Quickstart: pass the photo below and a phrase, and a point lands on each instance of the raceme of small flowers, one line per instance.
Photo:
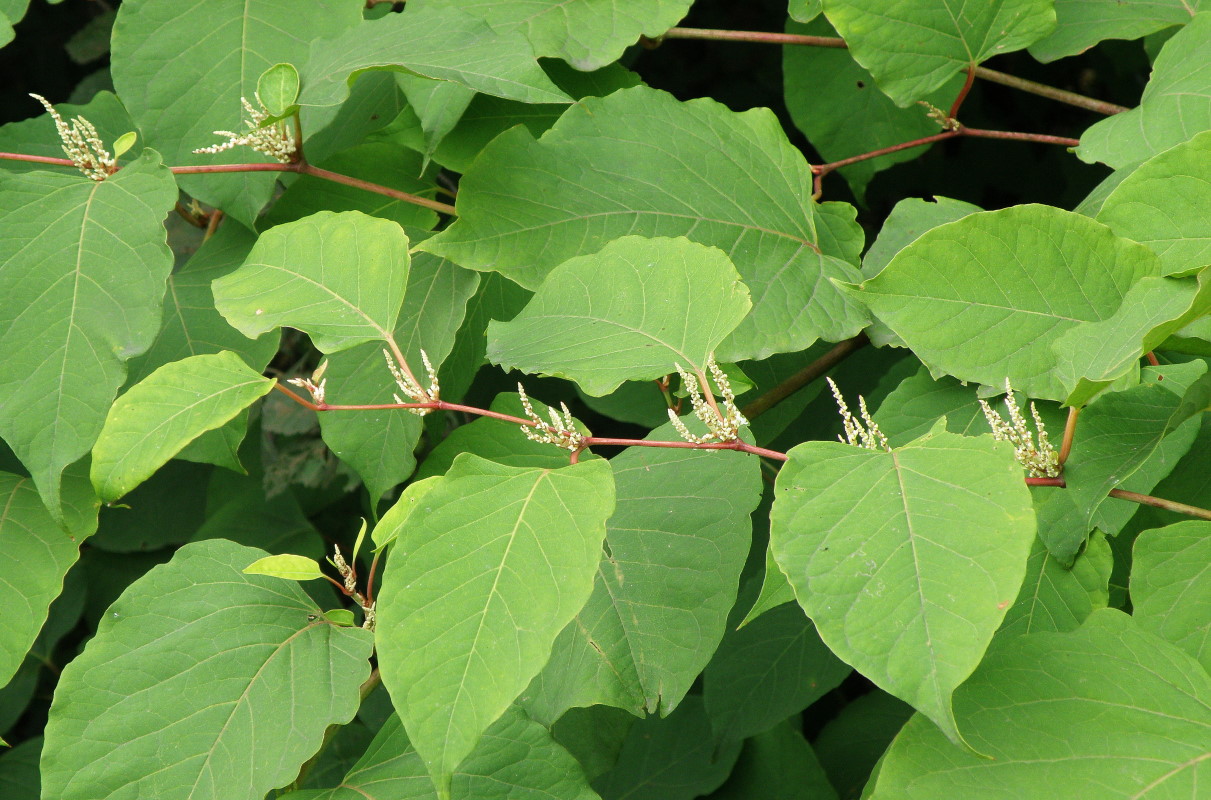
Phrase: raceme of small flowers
(561, 431)
(1039, 458)
(82, 144)
(860, 434)
(275, 140)
(410, 388)
(723, 422)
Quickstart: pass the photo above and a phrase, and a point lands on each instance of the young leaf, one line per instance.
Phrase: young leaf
(160, 415)
(124, 142)
(82, 269)
(509, 556)
(393, 521)
(438, 41)
(35, 554)
(1171, 585)
(339, 278)
(161, 646)
(181, 86)
(586, 35)
(905, 560)
(723, 179)
(968, 303)
(1051, 710)
(1176, 104)
(629, 312)
(290, 567)
(914, 48)
(665, 584)
(278, 88)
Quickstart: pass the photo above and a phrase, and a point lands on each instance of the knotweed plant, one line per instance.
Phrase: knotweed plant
(860, 434)
(82, 144)
(1035, 454)
(274, 140)
(561, 431)
(722, 421)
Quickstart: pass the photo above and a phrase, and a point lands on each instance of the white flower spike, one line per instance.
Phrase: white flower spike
(723, 422)
(561, 431)
(82, 144)
(860, 434)
(1041, 459)
(275, 141)
(410, 388)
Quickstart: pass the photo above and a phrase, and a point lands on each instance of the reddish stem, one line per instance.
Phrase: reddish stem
(760, 37)
(370, 579)
(1046, 482)
(954, 108)
(804, 376)
(1069, 434)
(743, 447)
(1151, 356)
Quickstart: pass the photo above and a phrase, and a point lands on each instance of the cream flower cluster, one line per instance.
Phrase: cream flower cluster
(1038, 457)
(82, 144)
(561, 431)
(275, 140)
(410, 388)
(860, 434)
(723, 422)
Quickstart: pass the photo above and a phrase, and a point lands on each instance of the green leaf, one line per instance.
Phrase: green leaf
(1093, 355)
(1059, 598)
(339, 278)
(675, 547)
(727, 180)
(803, 10)
(516, 760)
(775, 590)
(278, 88)
(1054, 709)
(586, 35)
(1171, 585)
(770, 669)
(511, 554)
(1176, 104)
(1080, 24)
(907, 222)
(124, 142)
(379, 445)
(1121, 430)
(169, 408)
(82, 269)
(1161, 205)
(294, 568)
(629, 312)
(182, 69)
(836, 104)
(439, 41)
(967, 303)
(161, 645)
(438, 104)
(396, 517)
(192, 326)
(913, 48)
(19, 771)
(776, 765)
(906, 561)
(673, 758)
(35, 554)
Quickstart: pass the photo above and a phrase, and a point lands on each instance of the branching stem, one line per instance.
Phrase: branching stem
(983, 73)
(805, 376)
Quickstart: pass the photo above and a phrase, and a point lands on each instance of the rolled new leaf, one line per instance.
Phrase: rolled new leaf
(167, 410)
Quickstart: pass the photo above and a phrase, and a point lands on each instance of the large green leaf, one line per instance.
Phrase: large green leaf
(905, 560)
(586, 34)
(913, 47)
(1107, 711)
(438, 41)
(770, 669)
(82, 269)
(776, 765)
(35, 554)
(908, 220)
(1162, 204)
(1059, 598)
(1080, 24)
(724, 179)
(379, 445)
(164, 412)
(666, 582)
(515, 760)
(477, 590)
(1175, 106)
(628, 312)
(192, 326)
(836, 104)
(851, 743)
(1171, 585)
(338, 277)
(969, 304)
(180, 693)
(181, 67)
